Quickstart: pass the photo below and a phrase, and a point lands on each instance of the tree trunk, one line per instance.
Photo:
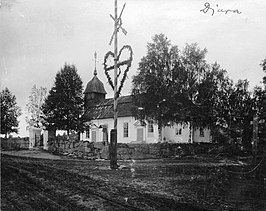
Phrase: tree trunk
(255, 138)
(160, 130)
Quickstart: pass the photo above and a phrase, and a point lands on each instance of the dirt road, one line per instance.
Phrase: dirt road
(42, 184)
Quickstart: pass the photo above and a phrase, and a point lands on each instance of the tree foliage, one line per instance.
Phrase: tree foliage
(34, 106)
(174, 86)
(259, 104)
(263, 65)
(151, 85)
(64, 105)
(241, 113)
(9, 112)
(259, 101)
(178, 86)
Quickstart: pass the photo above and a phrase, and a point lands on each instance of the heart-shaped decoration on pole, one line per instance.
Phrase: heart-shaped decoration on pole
(125, 63)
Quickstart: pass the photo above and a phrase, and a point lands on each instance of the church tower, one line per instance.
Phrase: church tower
(94, 91)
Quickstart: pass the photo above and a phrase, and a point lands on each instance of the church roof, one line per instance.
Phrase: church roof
(105, 109)
(95, 85)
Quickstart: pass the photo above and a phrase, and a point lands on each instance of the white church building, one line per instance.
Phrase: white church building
(99, 115)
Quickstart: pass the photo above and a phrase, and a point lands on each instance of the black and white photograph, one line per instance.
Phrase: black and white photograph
(150, 105)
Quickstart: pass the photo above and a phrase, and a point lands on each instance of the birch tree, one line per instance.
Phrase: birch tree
(34, 106)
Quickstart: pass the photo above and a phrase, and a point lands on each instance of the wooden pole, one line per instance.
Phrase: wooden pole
(113, 157)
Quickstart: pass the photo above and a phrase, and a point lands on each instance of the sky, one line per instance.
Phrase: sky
(37, 37)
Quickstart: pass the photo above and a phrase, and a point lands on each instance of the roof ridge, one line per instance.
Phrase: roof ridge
(104, 109)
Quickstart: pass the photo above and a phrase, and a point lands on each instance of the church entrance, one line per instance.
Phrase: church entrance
(140, 135)
(93, 136)
(105, 135)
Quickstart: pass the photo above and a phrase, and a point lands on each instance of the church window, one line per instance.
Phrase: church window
(150, 127)
(201, 132)
(178, 131)
(87, 133)
(125, 128)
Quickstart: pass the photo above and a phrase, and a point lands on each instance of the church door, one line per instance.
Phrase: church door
(140, 134)
(93, 136)
(105, 136)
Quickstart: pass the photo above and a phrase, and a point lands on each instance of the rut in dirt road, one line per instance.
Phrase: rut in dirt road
(27, 185)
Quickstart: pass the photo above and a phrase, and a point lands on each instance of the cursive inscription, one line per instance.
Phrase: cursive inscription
(212, 10)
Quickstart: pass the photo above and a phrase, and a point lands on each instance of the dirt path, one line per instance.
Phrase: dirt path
(31, 185)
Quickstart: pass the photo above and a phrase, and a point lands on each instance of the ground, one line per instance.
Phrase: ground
(39, 181)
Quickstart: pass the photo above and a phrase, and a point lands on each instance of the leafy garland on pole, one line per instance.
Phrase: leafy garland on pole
(106, 69)
(127, 62)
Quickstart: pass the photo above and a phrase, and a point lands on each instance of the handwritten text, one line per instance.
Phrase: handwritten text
(213, 10)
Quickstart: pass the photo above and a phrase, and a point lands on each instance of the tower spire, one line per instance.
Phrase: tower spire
(95, 60)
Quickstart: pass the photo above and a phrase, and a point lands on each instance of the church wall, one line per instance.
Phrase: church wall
(132, 131)
(95, 124)
(207, 138)
(152, 138)
(132, 136)
(177, 133)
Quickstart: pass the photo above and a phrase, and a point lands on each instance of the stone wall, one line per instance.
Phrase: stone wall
(72, 147)
(89, 150)
(163, 150)
(14, 143)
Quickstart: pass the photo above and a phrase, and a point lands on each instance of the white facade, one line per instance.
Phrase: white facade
(177, 133)
(130, 130)
(202, 136)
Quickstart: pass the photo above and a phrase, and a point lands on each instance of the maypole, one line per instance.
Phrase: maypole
(113, 144)
(116, 66)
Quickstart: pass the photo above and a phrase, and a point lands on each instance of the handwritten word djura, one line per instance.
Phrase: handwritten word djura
(208, 8)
